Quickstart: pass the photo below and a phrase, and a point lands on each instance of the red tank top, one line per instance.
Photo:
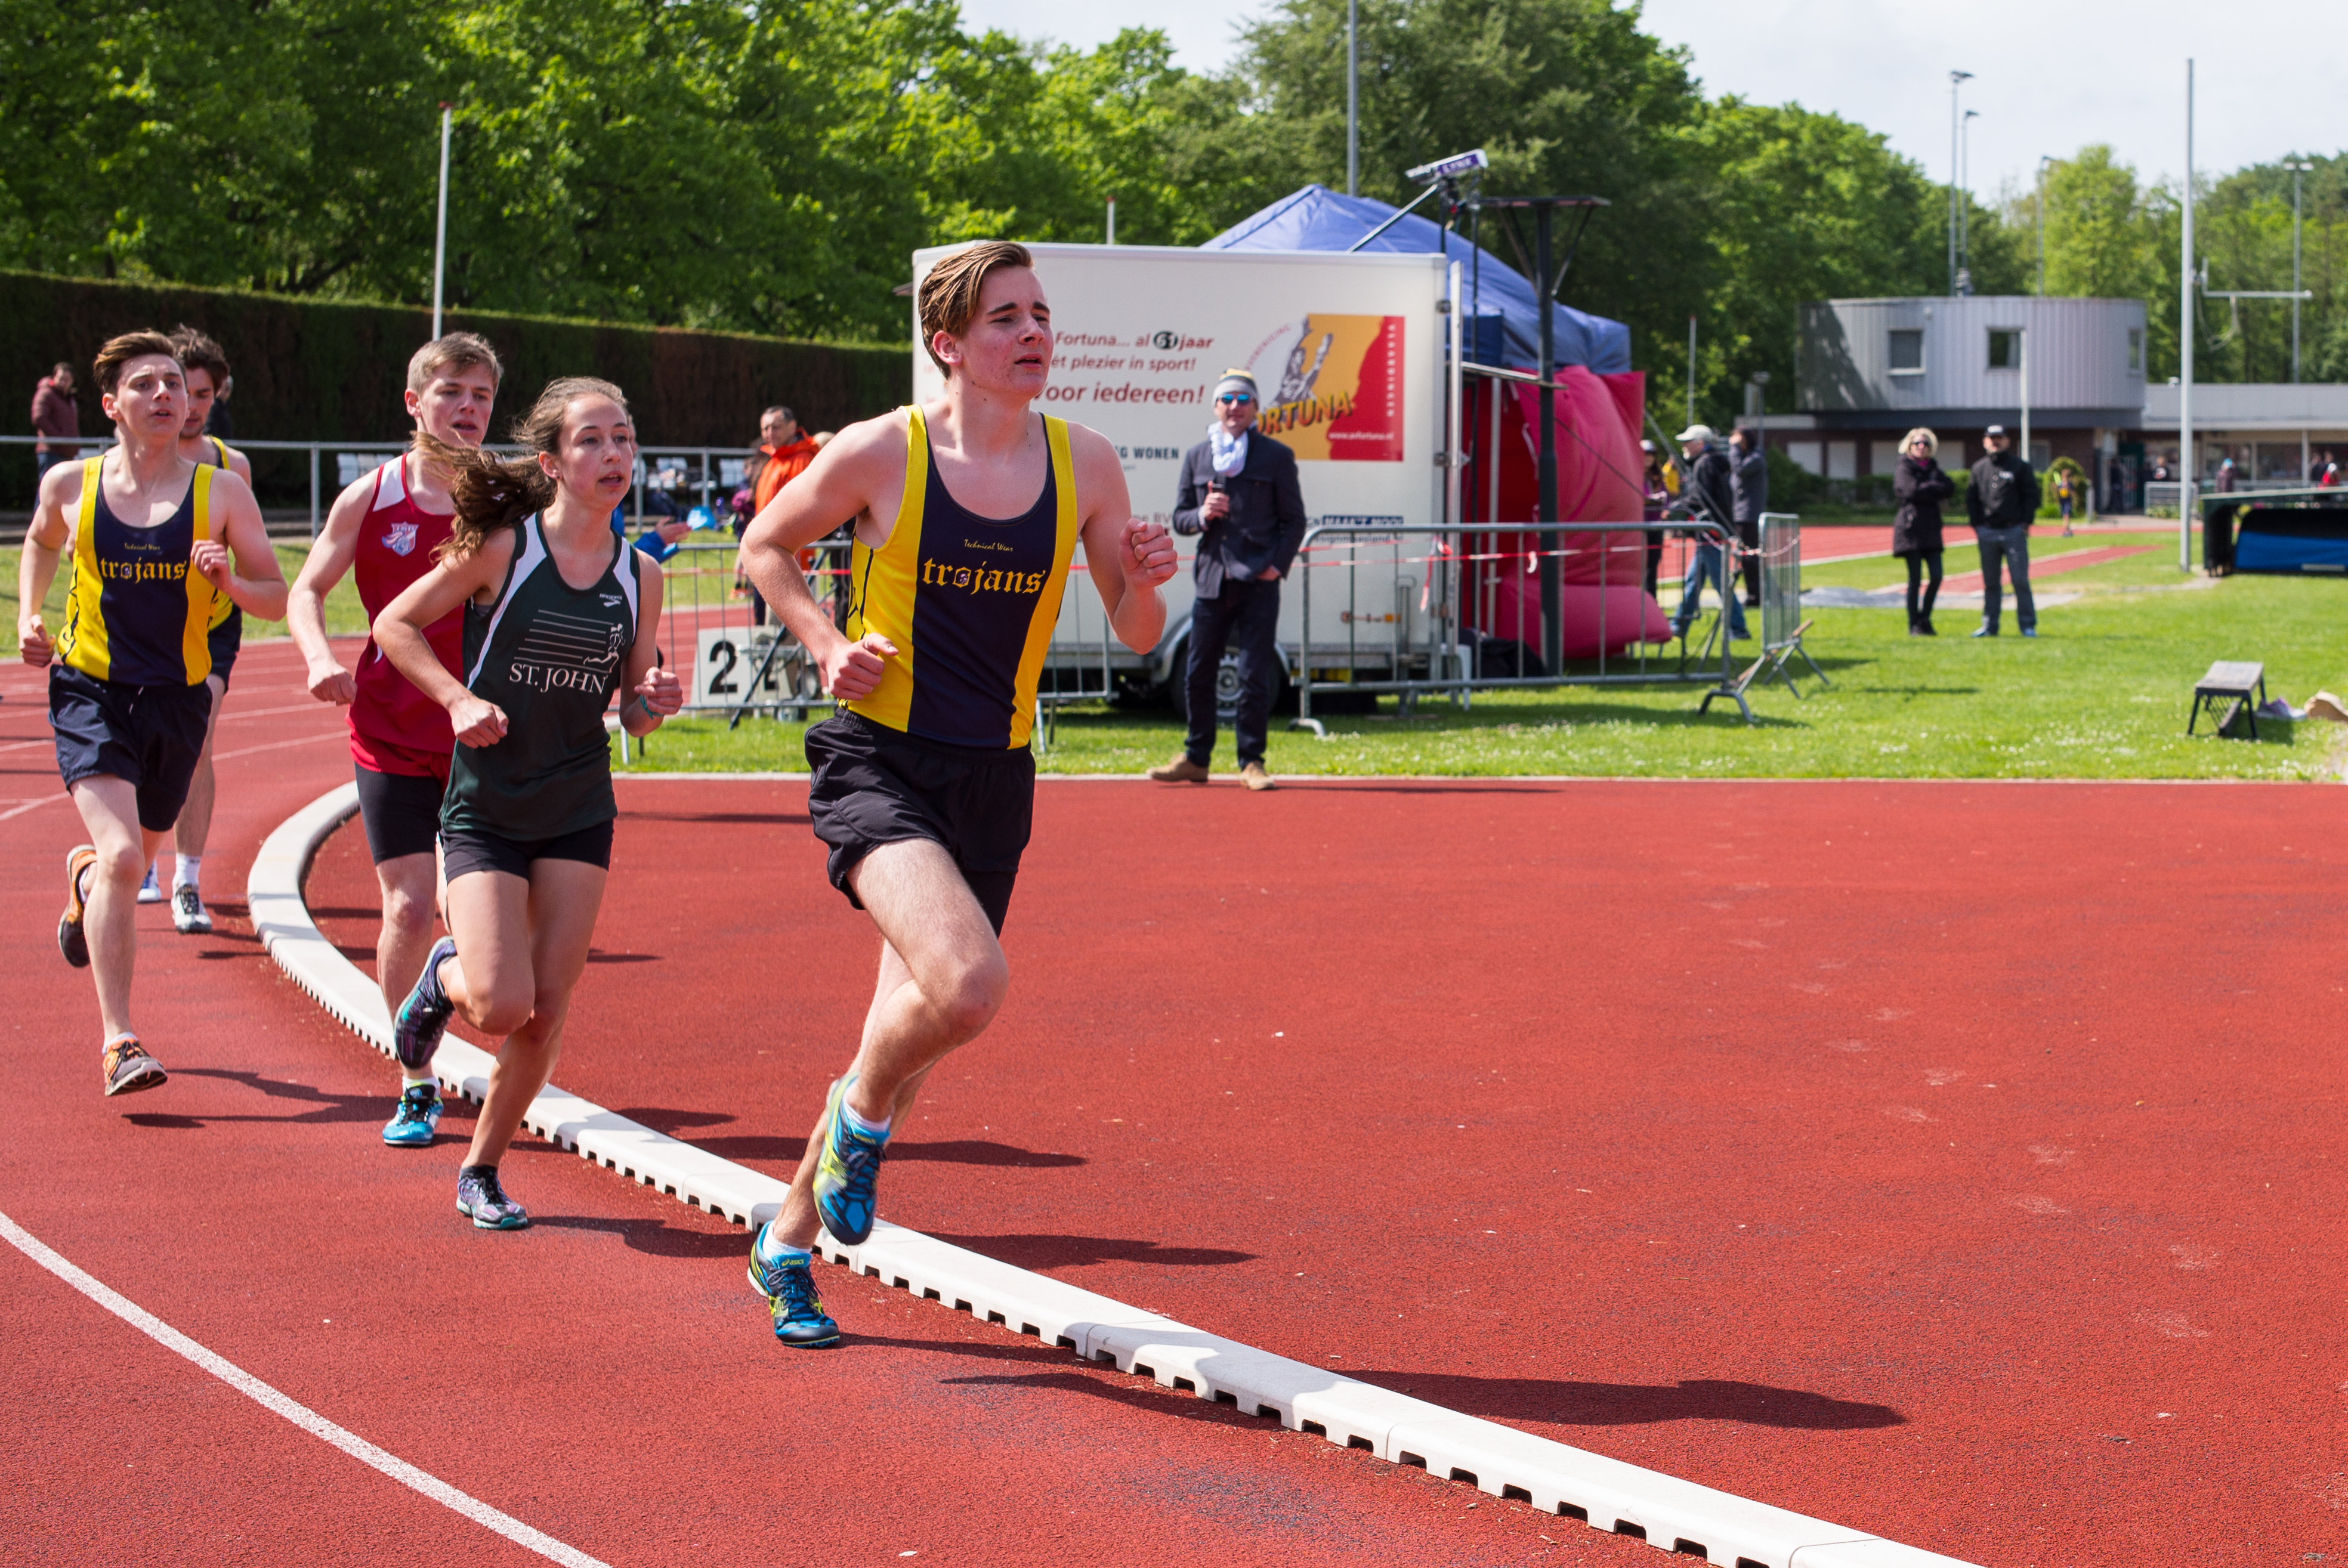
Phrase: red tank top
(396, 728)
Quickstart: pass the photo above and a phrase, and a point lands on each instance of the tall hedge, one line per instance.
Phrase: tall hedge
(324, 370)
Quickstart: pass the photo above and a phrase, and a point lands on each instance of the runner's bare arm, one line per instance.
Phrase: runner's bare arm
(331, 556)
(1128, 556)
(650, 691)
(400, 632)
(45, 539)
(257, 583)
(241, 466)
(861, 475)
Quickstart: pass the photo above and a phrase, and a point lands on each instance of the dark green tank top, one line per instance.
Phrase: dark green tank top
(548, 654)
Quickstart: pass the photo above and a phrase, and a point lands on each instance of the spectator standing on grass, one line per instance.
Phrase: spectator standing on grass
(1240, 494)
(1709, 497)
(785, 450)
(2001, 502)
(1656, 485)
(1749, 488)
(54, 415)
(1921, 485)
(2225, 478)
(2067, 495)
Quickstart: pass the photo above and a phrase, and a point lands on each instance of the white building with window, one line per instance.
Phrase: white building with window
(1870, 370)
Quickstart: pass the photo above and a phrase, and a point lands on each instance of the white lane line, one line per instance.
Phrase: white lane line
(280, 745)
(32, 805)
(1503, 1461)
(294, 1411)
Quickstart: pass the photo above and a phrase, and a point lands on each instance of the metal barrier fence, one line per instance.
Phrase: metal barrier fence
(1465, 568)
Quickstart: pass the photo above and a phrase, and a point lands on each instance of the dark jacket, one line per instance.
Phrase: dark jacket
(1266, 523)
(1920, 488)
(1710, 495)
(2019, 504)
(54, 415)
(1749, 487)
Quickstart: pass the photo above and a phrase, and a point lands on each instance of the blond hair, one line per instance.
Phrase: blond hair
(948, 295)
(454, 352)
(493, 494)
(1932, 442)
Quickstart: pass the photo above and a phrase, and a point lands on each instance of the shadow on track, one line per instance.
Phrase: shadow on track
(1572, 1404)
(326, 1108)
(656, 1239)
(1075, 1251)
(755, 1147)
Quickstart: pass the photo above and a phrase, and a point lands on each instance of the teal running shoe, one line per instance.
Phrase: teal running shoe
(848, 1172)
(789, 1289)
(424, 1016)
(479, 1195)
(418, 1116)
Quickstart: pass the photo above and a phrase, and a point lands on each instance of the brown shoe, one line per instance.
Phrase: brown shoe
(1181, 770)
(1254, 777)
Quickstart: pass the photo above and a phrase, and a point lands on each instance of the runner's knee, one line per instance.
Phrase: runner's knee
(972, 994)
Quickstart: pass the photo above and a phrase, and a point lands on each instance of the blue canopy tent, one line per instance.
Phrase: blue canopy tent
(1318, 218)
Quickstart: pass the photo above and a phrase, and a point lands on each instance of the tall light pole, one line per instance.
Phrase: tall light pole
(440, 241)
(1353, 98)
(2185, 351)
(1964, 205)
(1956, 79)
(2042, 225)
(2297, 168)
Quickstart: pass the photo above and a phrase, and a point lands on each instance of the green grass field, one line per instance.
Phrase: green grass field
(2102, 693)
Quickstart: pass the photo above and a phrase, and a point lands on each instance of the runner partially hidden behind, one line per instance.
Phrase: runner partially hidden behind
(558, 615)
(967, 514)
(203, 364)
(388, 525)
(156, 540)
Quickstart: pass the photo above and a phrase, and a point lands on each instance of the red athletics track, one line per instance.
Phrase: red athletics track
(606, 1376)
(1952, 1161)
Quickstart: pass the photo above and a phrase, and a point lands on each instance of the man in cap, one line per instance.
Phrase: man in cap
(1707, 498)
(1240, 491)
(2000, 501)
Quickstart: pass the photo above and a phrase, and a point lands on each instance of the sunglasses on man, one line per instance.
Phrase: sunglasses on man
(1235, 398)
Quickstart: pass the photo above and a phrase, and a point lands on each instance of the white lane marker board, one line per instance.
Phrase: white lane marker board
(1675, 1515)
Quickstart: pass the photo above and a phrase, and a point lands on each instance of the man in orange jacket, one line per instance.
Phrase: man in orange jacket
(788, 451)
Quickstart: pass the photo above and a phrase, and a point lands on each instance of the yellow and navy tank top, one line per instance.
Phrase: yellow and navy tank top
(136, 613)
(228, 620)
(969, 602)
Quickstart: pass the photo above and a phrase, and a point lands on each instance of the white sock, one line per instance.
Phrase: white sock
(870, 1129)
(185, 874)
(155, 872)
(408, 1081)
(774, 1251)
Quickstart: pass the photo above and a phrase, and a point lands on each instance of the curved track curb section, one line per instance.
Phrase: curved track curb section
(1675, 1515)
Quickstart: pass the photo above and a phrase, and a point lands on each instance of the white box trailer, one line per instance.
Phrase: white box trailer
(1349, 350)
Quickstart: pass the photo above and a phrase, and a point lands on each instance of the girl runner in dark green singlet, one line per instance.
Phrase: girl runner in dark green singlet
(559, 617)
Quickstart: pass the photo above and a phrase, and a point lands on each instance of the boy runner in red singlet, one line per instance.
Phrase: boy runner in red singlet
(387, 525)
(967, 510)
(204, 366)
(156, 539)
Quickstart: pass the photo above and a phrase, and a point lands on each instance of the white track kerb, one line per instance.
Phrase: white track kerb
(1672, 1514)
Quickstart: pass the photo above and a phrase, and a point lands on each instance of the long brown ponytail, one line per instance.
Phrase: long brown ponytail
(493, 494)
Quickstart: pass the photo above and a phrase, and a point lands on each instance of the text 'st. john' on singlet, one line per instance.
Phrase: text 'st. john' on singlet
(969, 602)
(395, 727)
(137, 614)
(549, 655)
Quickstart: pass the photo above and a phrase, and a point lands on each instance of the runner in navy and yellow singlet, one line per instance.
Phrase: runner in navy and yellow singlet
(968, 512)
(560, 617)
(204, 366)
(381, 530)
(155, 540)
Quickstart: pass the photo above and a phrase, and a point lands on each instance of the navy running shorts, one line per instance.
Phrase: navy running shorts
(150, 737)
(471, 849)
(874, 786)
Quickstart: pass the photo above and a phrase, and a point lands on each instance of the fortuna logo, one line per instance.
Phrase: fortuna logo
(975, 580)
(400, 538)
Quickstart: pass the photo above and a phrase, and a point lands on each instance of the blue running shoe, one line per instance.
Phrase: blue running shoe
(847, 1173)
(418, 1116)
(424, 1016)
(479, 1195)
(789, 1289)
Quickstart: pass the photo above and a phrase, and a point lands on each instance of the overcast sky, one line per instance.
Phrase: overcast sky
(2049, 75)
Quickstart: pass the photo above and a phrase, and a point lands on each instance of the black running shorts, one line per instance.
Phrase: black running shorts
(401, 813)
(876, 785)
(148, 736)
(470, 849)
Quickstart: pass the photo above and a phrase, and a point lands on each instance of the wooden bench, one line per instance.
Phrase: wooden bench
(2237, 683)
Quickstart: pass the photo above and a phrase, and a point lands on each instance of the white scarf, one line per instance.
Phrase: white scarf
(1230, 452)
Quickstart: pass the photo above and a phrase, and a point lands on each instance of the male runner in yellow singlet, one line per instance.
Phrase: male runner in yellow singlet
(968, 510)
(203, 365)
(155, 539)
